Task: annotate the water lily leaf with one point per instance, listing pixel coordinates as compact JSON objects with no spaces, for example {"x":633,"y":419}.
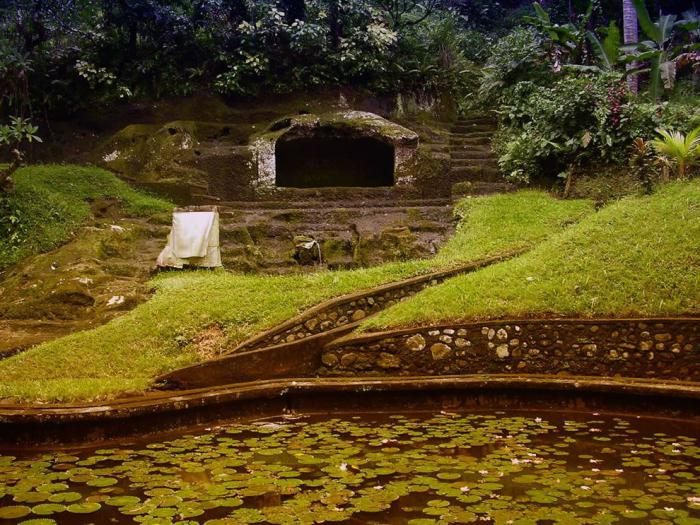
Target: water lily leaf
{"x":46,"y":509}
{"x":84,"y":508}
{"x":14,"y":512}
{"x":64,"y":497}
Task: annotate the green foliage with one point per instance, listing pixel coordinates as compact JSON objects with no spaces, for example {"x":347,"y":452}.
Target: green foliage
{"x":17,"y":131}
{"x":682,"y":152}
{"x":608,"y":50}
{"x":661,"y":51}
{"x":566,"y":42}
{"x":574,"y":119}
{"x":73,"y":55}
{"x":158,"y":336}
{"x":51,"y":202}
{"x":671,"y":45}
{"x":515,"y":57}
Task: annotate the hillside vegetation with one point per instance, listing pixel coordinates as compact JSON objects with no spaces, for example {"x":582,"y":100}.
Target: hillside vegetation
{"x":197,"y":310}
{"x":637,"y":257}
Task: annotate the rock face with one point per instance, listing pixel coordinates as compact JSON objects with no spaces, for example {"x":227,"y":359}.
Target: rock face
{"x":98,"y":275}
{"x":233,"y":154}
{"x":307,"y":251}
{"x":182,"y":159}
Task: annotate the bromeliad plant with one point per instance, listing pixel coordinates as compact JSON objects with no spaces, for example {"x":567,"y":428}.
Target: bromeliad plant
{"x":678,"y":151}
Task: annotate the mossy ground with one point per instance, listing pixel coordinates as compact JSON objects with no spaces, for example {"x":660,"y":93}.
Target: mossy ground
{"x":51,"y":202}
{"x":635,"y":257}
{"x":161,"y":334}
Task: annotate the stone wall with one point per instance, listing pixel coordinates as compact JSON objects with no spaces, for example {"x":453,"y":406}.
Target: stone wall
{"x":346,"y":310}
{"x":349,"y":309}
{"x":664,"y":349}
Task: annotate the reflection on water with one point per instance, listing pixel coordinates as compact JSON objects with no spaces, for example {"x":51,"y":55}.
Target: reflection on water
{"x":498,"y":468}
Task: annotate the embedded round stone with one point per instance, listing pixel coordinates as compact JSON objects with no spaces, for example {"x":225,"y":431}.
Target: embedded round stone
{"x":387,"y":361}
{"x":415,"y":343}
{"x":358,"y":315}
{"x":440,"y":351}
{"x":461,"y":343}
{"x":502,"y":351}
{"x":329,"y":359}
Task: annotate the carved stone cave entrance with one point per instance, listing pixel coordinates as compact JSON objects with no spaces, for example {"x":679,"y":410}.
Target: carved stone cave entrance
{"x":333,"y":160}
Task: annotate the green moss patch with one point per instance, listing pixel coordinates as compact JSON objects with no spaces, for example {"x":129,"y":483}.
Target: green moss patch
{"x":51,"y":202}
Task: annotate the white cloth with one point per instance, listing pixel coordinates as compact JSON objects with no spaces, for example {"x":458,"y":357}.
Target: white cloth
{"x":193,"y":241}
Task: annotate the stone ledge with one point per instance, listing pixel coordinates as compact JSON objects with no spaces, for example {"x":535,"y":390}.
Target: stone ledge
{"x":166,"y":411}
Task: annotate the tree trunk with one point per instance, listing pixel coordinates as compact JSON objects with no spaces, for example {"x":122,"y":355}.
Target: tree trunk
{"x":631,"y":31}
{"x":6,"y":184}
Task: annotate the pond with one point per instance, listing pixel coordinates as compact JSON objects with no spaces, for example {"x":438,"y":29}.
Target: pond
{"x":494,"y":467}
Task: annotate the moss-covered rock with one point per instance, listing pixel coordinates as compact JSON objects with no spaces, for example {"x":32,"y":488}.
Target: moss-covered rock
{"x":180,"y":158}
{"x":391,"y":244}
{"x":98,"y":274}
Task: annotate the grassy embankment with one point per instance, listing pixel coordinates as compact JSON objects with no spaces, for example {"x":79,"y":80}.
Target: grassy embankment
{"x":162,"y":334}
{"x":51,"y":202}
{"x":639,"y":256}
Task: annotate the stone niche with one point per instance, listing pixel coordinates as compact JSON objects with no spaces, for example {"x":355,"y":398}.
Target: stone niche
{"x":338,"y":149}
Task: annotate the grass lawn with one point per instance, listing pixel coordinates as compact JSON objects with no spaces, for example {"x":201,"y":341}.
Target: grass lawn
{"x":158,"y":336}
{"x":51,"y":202}
{"x":638,"y":256}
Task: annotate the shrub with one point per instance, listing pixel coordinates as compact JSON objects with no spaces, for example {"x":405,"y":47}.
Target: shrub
{"x":576,"y":119}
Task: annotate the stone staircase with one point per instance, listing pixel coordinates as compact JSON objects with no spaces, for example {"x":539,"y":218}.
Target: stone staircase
{"x":472,"y":160}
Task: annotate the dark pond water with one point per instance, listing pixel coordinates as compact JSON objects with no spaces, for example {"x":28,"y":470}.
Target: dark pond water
{"x":503,"y":468}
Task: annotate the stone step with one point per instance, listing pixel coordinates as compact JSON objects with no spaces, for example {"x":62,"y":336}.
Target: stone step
{"x":471,"y":148}
{"x":475,"y":172}
{"x":471,"y":141}
{"x":475,"y":166}
{"x":202,"y":199}
{"x":435,"y":146}
{"x":323,"y":205}
{"x":485,"y":188}
{"x":441,"y":155}
{"x":471,"y":154}
{"x":471,"y":128}
{"x":470,"y":135}
{"x":480,"y":119}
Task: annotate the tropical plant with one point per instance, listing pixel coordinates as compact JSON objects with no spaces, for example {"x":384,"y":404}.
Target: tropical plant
{"x":660,"y":51}
{"x":572,"y":121}
{"x":12,"y":135}
{"x":641,"y":162}
{"x":567,"y":41}
{"x":678,"y":151}
{"x":516,"y":57}
{"x":607,"y":50}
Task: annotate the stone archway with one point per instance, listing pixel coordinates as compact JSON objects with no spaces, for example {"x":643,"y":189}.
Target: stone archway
{"x":339,"y":149}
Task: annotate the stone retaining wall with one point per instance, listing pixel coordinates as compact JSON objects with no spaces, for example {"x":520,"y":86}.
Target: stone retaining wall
{"x":663,"y":348}
{"x":349,"y":309}
{"x":346,"y":312}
